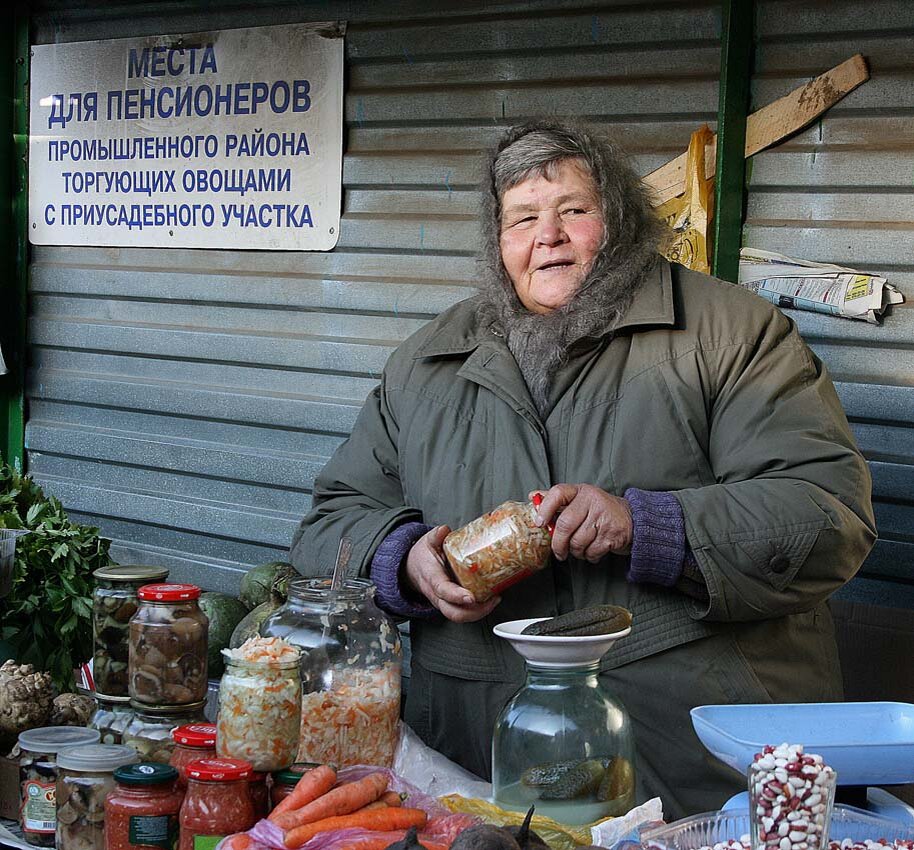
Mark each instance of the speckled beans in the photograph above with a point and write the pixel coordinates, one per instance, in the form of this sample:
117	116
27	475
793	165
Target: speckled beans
790	799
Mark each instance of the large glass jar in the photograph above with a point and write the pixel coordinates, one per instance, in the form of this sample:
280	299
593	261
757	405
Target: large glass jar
217	803
38	778
150	730
350	671
168	642
565	744
114	602
141	813
85	776
192	742
111	718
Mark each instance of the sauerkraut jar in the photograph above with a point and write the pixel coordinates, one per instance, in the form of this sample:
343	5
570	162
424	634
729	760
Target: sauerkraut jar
498	549
350	671
259	703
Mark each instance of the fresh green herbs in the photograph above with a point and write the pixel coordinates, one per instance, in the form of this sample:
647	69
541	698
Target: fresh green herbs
48	616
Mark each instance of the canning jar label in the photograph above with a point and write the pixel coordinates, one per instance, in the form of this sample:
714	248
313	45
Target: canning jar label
154	830
207	842
38	806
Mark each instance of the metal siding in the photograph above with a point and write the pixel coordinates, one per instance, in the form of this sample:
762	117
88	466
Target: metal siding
184	400
840	192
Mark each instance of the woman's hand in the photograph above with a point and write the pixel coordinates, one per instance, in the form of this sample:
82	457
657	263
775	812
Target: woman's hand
427	573
589	522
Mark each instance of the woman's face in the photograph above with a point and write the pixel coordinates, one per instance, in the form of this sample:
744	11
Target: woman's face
551	231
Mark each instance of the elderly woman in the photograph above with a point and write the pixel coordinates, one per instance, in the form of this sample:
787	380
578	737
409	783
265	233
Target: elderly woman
690	447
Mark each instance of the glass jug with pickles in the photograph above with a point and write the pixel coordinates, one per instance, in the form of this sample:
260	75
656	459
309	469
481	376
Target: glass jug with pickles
563	742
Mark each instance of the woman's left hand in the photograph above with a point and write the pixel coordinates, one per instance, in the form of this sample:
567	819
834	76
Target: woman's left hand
589	522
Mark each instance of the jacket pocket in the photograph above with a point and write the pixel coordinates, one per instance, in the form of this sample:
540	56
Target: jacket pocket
779	560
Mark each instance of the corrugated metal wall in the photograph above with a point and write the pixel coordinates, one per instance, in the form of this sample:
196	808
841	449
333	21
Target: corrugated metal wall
843	192
184	400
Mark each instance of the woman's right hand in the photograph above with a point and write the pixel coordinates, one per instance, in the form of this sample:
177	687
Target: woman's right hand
427	574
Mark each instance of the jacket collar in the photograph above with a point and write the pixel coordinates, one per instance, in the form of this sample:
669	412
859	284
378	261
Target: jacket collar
651	306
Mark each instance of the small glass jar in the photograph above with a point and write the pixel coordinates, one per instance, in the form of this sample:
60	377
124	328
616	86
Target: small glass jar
350	671
259	705
168	640
141	813
260	794
284	781
498	549
791	795
84	779
38	778
111	718
193	741
217	803
114	602
150	730
564	744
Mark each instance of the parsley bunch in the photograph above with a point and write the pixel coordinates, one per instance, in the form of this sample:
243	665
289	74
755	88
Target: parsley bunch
48	616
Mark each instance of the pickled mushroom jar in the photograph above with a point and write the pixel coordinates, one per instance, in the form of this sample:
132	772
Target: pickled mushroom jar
217	802
114	602
141	813
111	718
38	778
150	729
168	644
350	671
498	549
192	741
84	779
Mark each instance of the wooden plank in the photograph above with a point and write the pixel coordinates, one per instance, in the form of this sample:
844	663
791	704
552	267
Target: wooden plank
771	123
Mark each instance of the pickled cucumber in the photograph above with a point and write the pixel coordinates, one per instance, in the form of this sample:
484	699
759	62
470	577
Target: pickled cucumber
618	780
583	779
596	620
545	774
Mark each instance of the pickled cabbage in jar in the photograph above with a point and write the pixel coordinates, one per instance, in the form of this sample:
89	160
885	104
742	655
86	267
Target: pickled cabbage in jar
498	549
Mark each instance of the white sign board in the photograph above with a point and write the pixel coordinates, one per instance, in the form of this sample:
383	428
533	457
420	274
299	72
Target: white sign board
225	139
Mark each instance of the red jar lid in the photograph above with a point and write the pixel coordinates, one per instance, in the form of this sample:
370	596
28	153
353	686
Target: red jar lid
219	770
196	735
168	592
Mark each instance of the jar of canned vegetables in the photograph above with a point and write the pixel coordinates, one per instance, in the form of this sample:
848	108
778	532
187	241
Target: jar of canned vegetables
84	779
142	811
150	730
38	778
168	642
217	803
193	741
114	603
111	718
350	671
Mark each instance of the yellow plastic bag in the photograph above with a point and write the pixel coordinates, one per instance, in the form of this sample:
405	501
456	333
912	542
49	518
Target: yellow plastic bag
558	836
689	215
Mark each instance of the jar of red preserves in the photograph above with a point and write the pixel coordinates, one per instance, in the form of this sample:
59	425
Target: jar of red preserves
141	813
192	742
217	803
260	794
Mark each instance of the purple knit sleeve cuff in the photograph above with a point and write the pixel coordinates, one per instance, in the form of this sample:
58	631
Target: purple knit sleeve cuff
385	570
658	537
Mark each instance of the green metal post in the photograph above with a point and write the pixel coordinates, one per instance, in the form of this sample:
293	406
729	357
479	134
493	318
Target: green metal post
732	108
14	103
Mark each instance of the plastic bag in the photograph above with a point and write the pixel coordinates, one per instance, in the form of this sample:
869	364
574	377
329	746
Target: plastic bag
689	215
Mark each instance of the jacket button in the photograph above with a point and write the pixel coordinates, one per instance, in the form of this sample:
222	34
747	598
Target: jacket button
779	564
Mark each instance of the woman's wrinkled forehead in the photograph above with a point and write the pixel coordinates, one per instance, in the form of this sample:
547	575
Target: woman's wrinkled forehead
548	170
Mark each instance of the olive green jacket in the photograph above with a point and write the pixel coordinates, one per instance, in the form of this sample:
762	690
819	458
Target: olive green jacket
704	390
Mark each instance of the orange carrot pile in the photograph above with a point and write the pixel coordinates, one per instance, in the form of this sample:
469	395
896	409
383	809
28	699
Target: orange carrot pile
342	800
313	784
384	819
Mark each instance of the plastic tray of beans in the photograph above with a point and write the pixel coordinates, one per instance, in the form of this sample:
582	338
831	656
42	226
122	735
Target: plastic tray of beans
867	743
851	829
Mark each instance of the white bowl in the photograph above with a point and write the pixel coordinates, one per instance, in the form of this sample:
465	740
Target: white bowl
556	651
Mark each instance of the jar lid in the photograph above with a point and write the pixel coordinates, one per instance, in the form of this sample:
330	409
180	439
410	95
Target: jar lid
163	710
112	700
216	770
131	573
290	775
168	592
52	739
147	773
96	758
196	735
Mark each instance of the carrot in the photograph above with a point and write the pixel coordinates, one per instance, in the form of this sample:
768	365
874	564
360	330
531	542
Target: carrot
393	798
376	819
313	784
337	801
238	841
383	840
